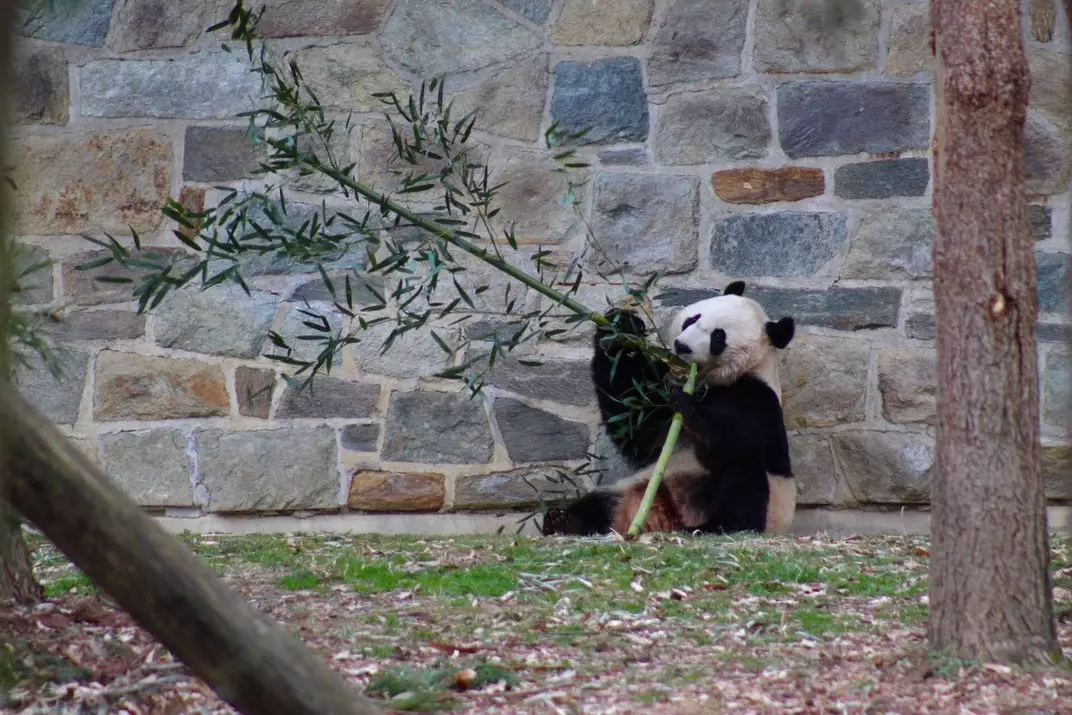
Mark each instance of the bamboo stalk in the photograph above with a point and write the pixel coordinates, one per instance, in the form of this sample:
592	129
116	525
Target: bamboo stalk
660	466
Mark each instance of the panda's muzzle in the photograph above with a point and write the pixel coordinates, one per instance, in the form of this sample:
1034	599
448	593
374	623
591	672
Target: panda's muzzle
681	348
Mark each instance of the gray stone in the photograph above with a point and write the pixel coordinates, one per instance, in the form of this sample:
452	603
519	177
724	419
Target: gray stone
787	243
886	467
339	153
75	22
605	97
345	76
813	469
415	353
647	222
803	36
437	427
1053	333
269	470
908	381
329	397
510	102
363	289
824	381
57	398
630	156
41	86
430	39
140	387
382	168
359	438
253	389
1057	471
882	179
149	24
298	18
219	154
535	10
294	330
568	382
1041	220
490	329
908	49
706	127
1053	282
698	40
534	199
222	320
823	118
837	308
34	288
1057	397
153	467
208	85
533	435
516	488
920	326
891	243
84	288
1047	157
104	324
1051	85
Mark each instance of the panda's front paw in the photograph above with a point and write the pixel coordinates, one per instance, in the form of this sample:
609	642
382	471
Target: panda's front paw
626	321
681	401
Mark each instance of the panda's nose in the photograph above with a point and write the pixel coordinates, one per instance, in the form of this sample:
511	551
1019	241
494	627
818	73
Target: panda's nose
681	348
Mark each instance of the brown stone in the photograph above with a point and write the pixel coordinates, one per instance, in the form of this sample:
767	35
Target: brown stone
1056	472
372	490
253	387
602	23
149	24
763	186
83	288
192	199
908	381
41	86
140	387
908	50
298	18
90	182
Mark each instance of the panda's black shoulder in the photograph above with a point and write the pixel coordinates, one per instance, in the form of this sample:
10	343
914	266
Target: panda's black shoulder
750	391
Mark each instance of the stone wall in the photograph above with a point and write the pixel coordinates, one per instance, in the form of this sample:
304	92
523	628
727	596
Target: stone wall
784	143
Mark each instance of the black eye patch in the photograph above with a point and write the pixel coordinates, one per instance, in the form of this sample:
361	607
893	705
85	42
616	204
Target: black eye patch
689	321
718	342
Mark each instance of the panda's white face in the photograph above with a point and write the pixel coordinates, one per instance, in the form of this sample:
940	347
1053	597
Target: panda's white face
725	336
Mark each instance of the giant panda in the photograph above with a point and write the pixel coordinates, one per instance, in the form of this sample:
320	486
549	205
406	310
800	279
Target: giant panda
730	471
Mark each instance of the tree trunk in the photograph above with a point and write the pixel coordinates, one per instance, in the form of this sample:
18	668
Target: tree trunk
16	572
990	589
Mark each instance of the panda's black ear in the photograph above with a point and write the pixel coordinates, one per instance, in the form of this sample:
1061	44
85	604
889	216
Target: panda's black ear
781	332
735	288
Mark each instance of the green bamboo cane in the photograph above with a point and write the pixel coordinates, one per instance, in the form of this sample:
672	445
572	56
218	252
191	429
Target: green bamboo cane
660	466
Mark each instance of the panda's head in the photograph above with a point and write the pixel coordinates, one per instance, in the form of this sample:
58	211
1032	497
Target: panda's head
729	336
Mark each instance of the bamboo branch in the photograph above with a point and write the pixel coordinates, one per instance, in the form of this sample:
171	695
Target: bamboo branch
660	466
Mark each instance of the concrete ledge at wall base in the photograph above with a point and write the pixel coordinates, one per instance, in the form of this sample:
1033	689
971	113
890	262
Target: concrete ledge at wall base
835	522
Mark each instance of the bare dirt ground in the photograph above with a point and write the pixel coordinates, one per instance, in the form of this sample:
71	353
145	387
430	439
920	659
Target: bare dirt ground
496	624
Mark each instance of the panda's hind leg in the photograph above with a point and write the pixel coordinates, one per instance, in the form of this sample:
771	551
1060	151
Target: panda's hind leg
664	514
592	514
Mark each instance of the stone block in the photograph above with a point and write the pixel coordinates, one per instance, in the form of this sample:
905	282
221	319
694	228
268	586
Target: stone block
802	36
908	381
36	287
437	427
297	18
608	463
565	381
606	97
41	86
628	156
207	85
908	49
882	179
75	22
824	381
698	40
453	36
1053	333
885	467
363	289
813	468
89	182
1047	157
415	353
83	287
610	23
507	490
787	243
755	185
1051	86
1041	220
329	397
1057	396
57	398
106	324
510	102
1056	464
254	388
533	435
536	11
269	470
153	467
372	490
294	330
490	329
920	326
646	222
813	121
534	198
382	169
219	154
891	244
223	320
151	24
139	387
1053	282
345	76
705	127
359	438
